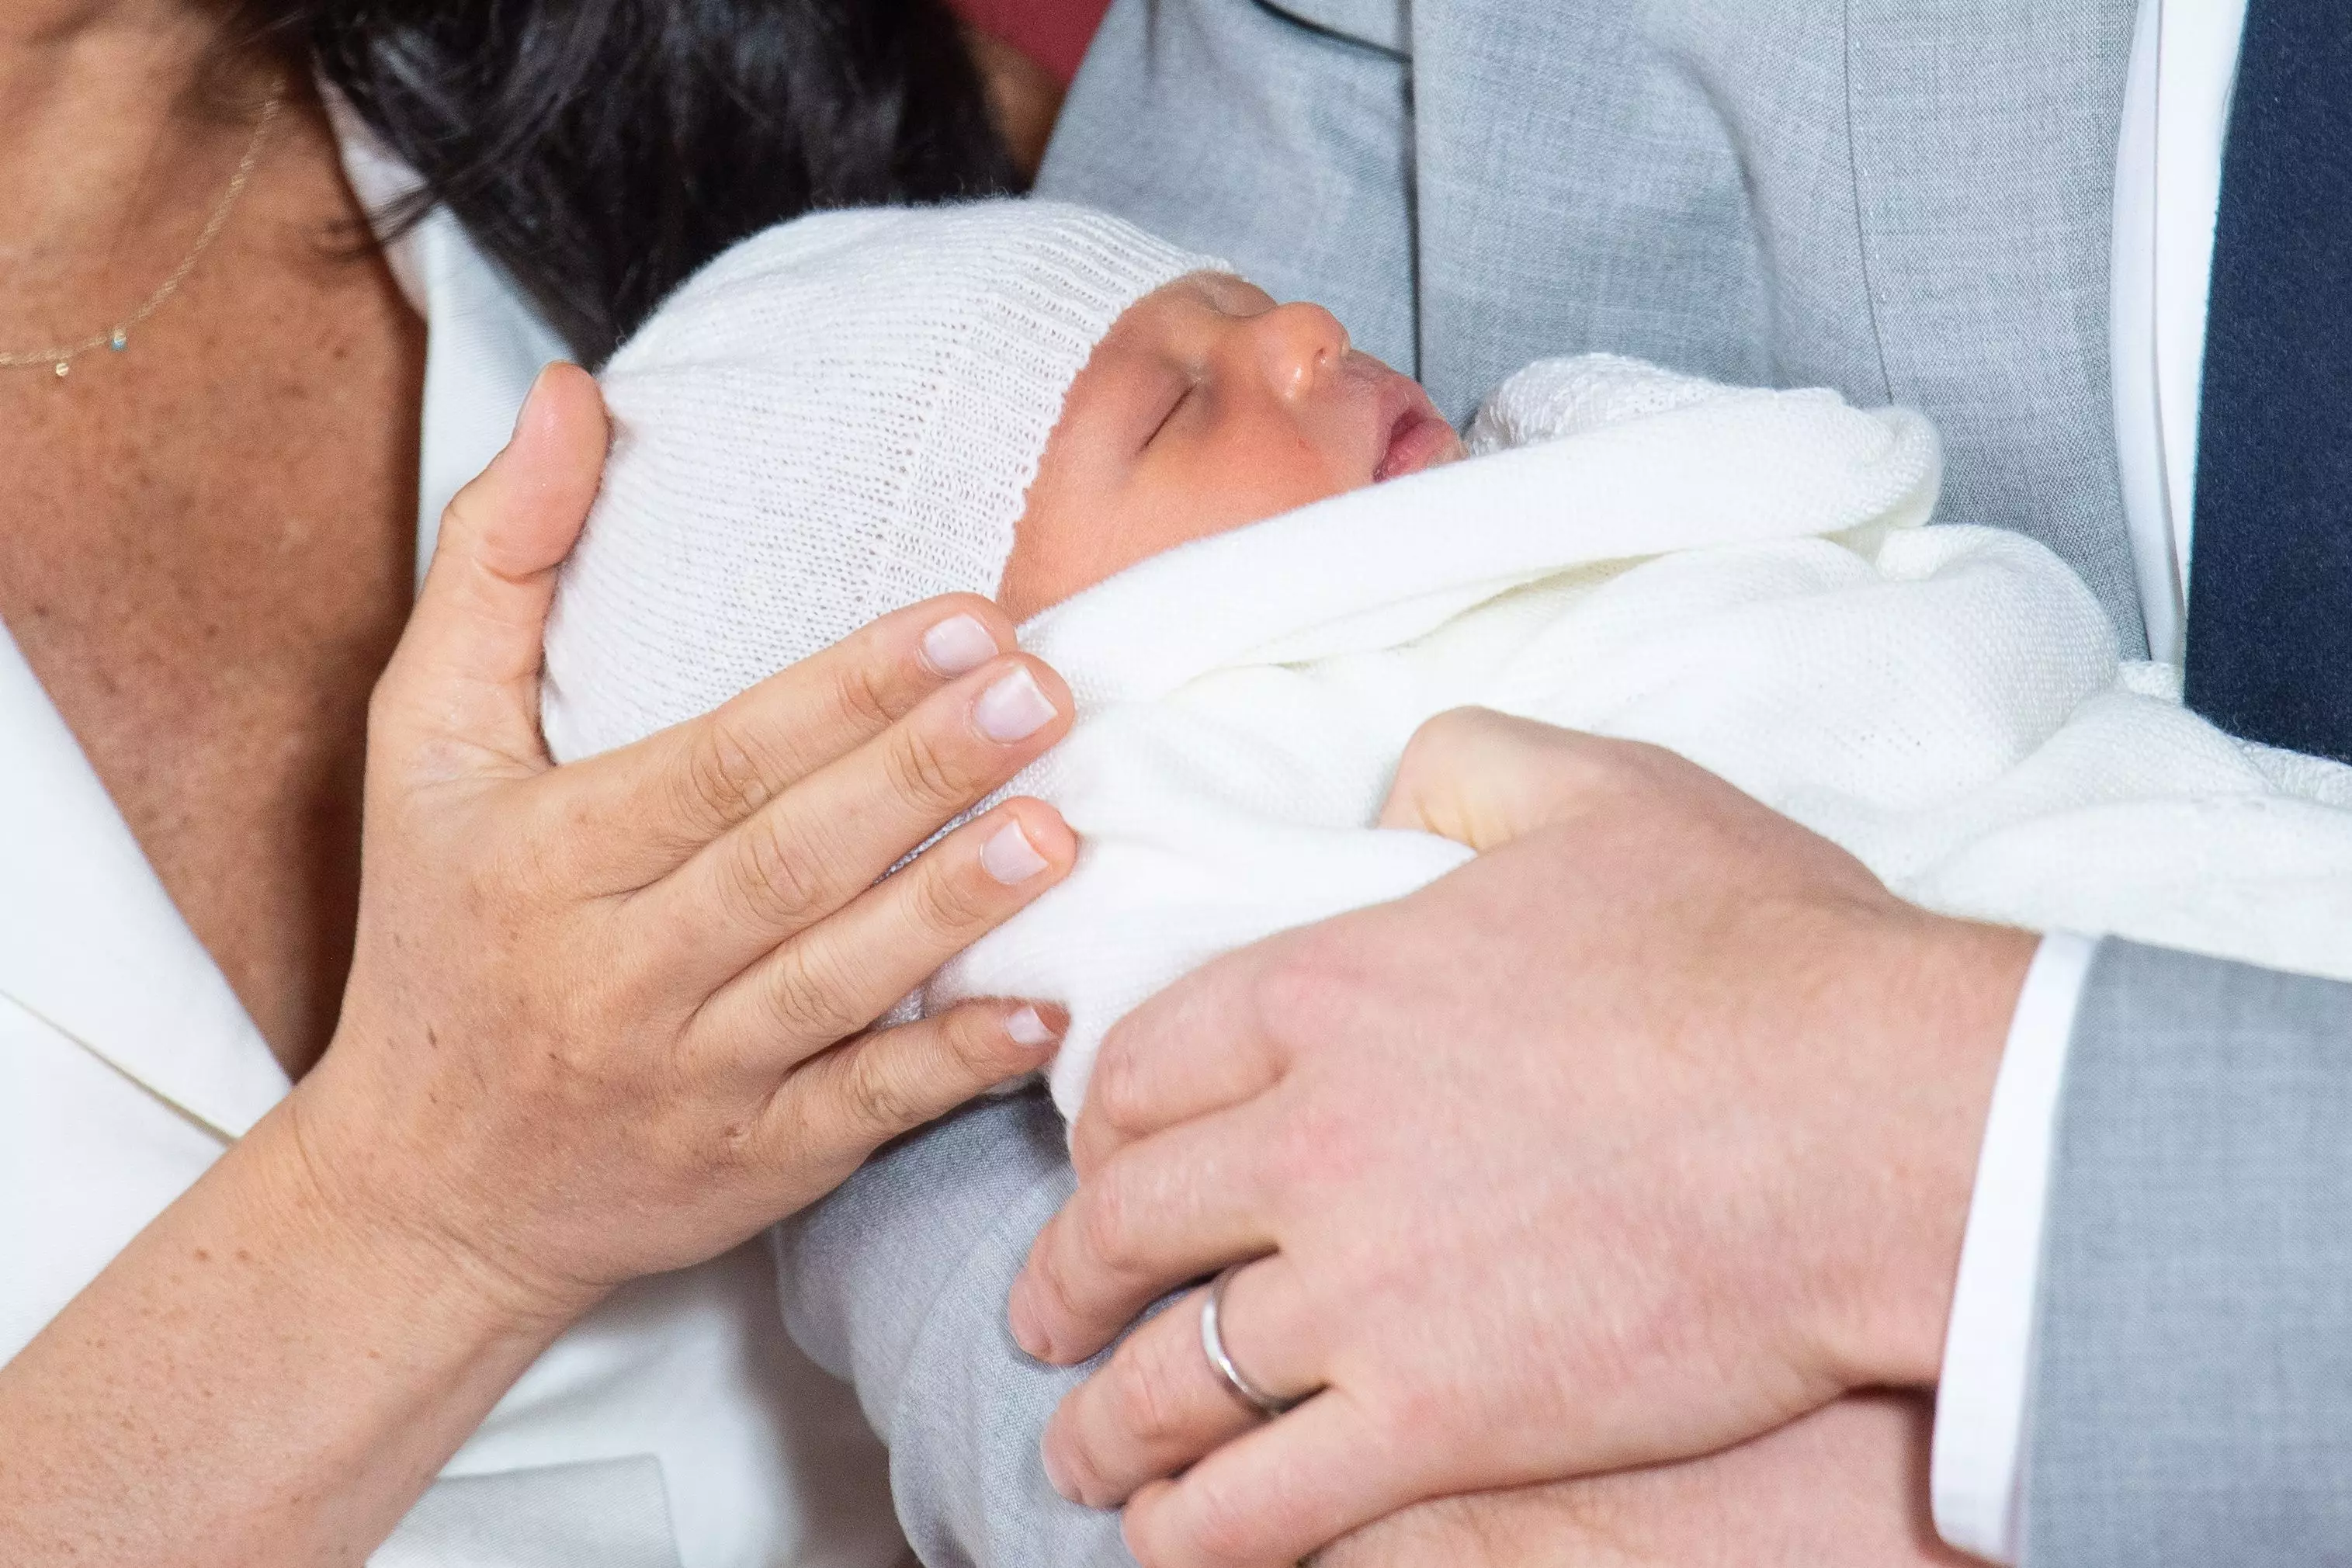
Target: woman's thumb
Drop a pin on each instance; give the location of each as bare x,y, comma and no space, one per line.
462,692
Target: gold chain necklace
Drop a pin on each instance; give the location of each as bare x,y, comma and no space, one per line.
61,358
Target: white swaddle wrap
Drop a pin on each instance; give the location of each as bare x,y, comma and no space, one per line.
1736,574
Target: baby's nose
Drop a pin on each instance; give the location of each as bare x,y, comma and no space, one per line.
1300,343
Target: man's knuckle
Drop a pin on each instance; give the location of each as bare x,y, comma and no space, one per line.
1311,1151
1119,1088
1106,1224
1049,1274
1414,1404
1151,1529
1222,1531
1077,1461
1293,997
1150,1404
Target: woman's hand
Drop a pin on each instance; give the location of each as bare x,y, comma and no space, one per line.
609,1019
1846,1486
602,1020
1644,1133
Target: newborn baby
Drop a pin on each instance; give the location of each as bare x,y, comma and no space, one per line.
1251,554
1207,406
859,410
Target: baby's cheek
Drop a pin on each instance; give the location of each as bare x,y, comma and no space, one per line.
1080,529
1274,467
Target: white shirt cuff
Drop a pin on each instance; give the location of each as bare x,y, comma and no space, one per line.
1977,1471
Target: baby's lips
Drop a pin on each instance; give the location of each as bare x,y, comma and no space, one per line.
1418,436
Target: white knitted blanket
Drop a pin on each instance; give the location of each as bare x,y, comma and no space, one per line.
1737,574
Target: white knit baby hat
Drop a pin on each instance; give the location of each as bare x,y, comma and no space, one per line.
837,418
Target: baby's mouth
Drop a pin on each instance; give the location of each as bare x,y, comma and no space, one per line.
1418,438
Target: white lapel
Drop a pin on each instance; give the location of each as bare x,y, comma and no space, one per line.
91,944
90,940
485,341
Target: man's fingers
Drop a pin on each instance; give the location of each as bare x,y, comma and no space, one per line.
867,1092
1272,1496
809,852
462,690
1159,1405
652,805
1199,1046
1155,1215
835,980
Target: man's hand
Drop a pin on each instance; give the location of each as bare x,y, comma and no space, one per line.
1846,1486
1647,1131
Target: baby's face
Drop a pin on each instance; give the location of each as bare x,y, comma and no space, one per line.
1209,406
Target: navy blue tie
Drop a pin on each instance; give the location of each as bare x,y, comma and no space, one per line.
2270,579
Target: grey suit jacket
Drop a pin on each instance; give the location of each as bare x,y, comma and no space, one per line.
1907,200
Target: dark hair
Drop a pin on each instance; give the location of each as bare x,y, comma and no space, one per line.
602,150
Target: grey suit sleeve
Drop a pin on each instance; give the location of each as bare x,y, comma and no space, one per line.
897,1283
2192,1398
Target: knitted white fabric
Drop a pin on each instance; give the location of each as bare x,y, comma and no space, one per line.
1556,397
1731,574
837,419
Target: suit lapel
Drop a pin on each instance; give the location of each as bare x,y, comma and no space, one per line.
90,941
91,944
1379,24
1984,153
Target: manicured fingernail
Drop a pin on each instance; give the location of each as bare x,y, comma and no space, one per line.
1011,859
1028,1027
1013,709
538,382
1055,1473
958,645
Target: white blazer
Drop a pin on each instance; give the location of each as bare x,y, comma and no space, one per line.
675,1428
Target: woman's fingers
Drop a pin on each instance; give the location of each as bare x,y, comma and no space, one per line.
1155,1215
1273,1496
862,1093
1159,1405
808,853
461,692
837,978
647,808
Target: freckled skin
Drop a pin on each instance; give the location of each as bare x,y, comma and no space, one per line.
1206,407
206,546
